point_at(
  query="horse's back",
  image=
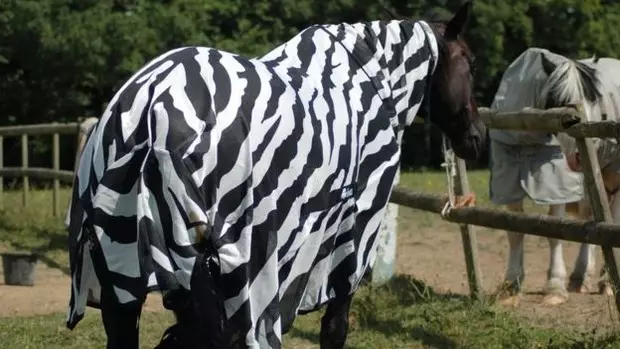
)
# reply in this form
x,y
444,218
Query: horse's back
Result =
x,y
609,69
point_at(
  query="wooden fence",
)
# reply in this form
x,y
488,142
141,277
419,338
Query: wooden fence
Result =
x,y
601,231
55,173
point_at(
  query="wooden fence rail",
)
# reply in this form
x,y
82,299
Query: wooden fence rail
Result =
x,y
589,232
39,173
40,129
565,120
54,174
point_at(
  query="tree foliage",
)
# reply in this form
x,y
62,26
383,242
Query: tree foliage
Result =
x,y
64,59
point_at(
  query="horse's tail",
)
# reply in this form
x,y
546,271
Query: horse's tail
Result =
x,y
84,132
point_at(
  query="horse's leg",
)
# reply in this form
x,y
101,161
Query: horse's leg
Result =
x,y
580,280
584,270
121,323
178,335
612,181
515,272
200,314
555,290
335,323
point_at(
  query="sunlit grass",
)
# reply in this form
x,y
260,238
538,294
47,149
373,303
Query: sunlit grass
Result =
x,y
403,314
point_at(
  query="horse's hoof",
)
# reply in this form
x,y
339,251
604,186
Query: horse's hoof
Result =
x,y
554,299
579,287
605,289
510,301
172,338
507,294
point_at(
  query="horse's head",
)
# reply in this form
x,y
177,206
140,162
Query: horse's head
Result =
x,y
569,83
452,105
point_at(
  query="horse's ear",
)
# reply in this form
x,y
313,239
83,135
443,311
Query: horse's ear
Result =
x,y
548,66
595,58
457,24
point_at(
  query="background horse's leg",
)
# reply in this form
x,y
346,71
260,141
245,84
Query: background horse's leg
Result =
x,y
121,323
584,270
555,290
580,280
604,284
335,323
611,181
515,272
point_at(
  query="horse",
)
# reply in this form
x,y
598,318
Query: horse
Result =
x,y
542,79
250,190
601,96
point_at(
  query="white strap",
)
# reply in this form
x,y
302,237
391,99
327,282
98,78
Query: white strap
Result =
x,y
450,166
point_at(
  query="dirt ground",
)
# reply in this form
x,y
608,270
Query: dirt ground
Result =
x,y
432,254
435,256
50,294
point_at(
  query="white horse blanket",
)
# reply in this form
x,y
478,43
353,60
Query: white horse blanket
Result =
x,y
531,163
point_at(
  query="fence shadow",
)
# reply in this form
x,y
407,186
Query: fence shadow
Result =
x,y
410,290
44,237
402,291
53,241
368,303
432,339
42,252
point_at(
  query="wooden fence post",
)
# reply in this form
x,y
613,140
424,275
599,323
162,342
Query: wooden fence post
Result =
x,y
468,235
56,166
593,183
25,184
1,178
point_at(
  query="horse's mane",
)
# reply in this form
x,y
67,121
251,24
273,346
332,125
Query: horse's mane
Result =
x,y
571,81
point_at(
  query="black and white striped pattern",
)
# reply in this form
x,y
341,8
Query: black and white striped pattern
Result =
x,y
288,159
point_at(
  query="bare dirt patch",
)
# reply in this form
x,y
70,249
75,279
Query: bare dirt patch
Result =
x,y
50,294
434,255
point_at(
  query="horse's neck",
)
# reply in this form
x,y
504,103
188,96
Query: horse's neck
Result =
x,y
609,105
406,54
395,55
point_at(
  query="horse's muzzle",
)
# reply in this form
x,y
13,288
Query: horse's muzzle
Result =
x,y
472,143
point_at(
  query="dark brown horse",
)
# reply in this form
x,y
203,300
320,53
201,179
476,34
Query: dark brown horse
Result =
x,y
451,106
448,102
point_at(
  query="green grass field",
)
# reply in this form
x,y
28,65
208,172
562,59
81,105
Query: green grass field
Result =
x,y
403,314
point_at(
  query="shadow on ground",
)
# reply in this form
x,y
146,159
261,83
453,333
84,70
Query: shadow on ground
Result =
x,y
406,312
402,291
40,242
43,257
369,308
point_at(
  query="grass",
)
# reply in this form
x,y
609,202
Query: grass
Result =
x,y
402,314
34,227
